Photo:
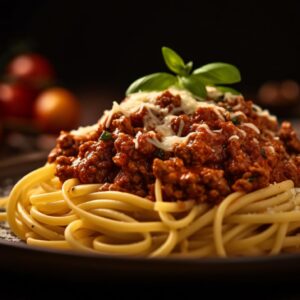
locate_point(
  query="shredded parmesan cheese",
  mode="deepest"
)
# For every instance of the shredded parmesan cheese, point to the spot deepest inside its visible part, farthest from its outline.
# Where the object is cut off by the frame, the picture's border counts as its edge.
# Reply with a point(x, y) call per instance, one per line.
point(264, 113)
point(272, 150)
point(115, 109)
point(243, 132)
point(237, 114)
point(160, 119)
point(135, 140)
point(181, 126)
point(169, 142)
point(252, 126)
point(234, 137)
point(81, 131)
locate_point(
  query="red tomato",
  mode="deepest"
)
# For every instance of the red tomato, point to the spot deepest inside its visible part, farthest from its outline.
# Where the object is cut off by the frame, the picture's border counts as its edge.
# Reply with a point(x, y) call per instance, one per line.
point(32, 68)
point(57, 109)
point(16, 100)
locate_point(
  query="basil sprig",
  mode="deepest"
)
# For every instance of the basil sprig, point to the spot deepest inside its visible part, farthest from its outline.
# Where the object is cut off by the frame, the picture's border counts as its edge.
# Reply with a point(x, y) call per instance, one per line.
point(213, 74)
point(152, 82)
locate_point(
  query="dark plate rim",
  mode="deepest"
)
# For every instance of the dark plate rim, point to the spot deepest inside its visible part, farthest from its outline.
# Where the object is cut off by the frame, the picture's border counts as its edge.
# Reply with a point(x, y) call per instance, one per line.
point(186, 260)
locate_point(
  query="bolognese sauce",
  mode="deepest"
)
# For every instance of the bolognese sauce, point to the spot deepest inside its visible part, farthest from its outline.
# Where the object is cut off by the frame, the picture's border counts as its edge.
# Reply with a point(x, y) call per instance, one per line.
point(199, 150)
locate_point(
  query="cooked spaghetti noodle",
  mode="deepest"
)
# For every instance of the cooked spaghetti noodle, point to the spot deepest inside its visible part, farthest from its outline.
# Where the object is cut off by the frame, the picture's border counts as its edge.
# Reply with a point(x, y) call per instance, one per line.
point(77, 216)
point(163, 175)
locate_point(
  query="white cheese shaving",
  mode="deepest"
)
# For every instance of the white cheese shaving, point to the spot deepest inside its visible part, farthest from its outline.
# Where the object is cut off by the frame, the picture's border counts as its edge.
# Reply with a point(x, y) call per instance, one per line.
point(181, 126)
point(169, 142)
point(252, 126)
point(272, 150)
point(236, 107)
point(135, 140)
point(217, 130)
point(165, 128)
point(81, 131)
point(206, 127)
point(237, 114)
point(234, 137)
point(115, 109)
point(243, 132)
point(257, 108)
point(264, 113)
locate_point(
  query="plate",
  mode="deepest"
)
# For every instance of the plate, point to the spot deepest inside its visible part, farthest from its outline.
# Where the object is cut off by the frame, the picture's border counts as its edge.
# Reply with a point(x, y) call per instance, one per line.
point(19, 258)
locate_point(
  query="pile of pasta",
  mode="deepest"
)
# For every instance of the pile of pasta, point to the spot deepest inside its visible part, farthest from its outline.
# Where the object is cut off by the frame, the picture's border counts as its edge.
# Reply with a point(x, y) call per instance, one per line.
point(45, 213)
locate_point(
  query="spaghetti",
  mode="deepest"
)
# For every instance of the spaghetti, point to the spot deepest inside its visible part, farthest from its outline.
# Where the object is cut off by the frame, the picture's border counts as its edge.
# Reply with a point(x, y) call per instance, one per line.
point(80, 217)
point(163, 175)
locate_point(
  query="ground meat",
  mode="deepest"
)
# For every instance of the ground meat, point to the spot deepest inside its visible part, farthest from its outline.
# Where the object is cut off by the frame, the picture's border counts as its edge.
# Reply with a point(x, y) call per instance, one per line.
point(67, 145)
point(143, 144)
point(122, 124)
point(289, 137)
point(242, 151)
point(183, 122)
point(168, 100)
point(137, 118)
point(202, 184)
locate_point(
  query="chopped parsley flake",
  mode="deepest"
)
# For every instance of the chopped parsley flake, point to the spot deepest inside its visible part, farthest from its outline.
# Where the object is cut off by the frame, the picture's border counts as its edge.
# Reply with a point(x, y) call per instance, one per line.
point(235, 121)
point(105, 136)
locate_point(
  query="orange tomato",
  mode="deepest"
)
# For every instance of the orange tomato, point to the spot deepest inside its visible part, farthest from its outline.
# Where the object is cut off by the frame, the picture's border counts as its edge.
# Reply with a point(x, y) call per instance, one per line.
point(56, 109)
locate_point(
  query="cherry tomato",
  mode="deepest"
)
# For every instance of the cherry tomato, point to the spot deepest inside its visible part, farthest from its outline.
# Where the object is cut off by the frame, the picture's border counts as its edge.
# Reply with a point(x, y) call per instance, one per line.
point(16, 100)
point(33, 68)
point(57, 109)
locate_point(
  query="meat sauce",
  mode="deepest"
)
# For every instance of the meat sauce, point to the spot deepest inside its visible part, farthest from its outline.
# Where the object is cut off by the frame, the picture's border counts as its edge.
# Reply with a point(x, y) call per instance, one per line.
point(213, 155)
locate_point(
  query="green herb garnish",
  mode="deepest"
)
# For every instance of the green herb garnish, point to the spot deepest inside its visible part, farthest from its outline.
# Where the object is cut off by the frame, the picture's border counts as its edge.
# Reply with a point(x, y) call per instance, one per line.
point(105, 136)
point(235, 121)
point(213, 74)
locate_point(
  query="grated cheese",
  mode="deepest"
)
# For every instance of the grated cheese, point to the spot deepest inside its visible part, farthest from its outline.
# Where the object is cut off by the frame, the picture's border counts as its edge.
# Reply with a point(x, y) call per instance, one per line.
point(158, 119)
point(234, 137)
point(272, 150)
point(135, 140)
point(264, 113)
point(115, 109)
point(181, 126)
point(169, 142)
point(252, 126)
point(84, 130)
point(237, 114)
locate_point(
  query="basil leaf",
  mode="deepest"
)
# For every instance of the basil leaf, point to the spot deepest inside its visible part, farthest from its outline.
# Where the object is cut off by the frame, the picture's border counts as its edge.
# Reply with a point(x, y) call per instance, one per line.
point(225, 89)
point(188, 67)
point(194, 85)
point(173, 61)
point(218, 73)
point(152, 82)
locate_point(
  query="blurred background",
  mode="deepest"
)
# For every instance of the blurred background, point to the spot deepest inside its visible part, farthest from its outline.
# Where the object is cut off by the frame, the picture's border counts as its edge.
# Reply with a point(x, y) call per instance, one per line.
point(93, 50)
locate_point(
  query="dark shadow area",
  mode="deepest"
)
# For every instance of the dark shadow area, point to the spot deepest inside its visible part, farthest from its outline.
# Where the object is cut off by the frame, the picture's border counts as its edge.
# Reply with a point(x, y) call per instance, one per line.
point(113, 42)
